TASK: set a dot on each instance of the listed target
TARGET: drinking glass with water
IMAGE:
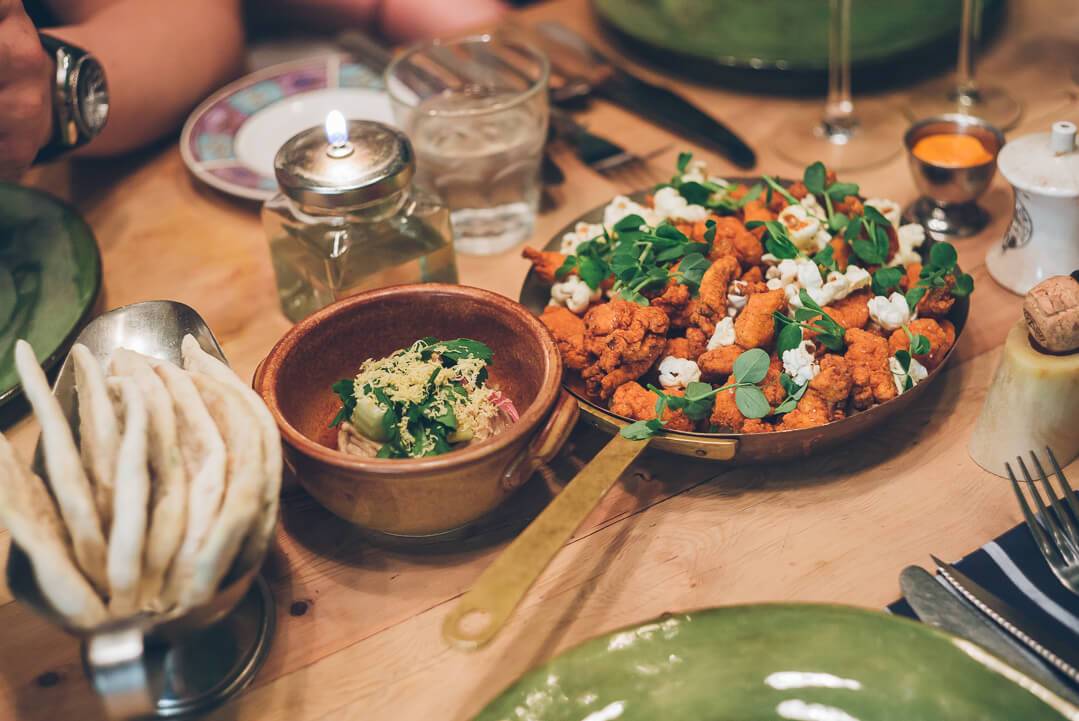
(476, 112)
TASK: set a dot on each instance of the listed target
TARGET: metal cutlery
(1060, 546)
(598, 153)
(940, 608)
(658, 104)
(1029, 631)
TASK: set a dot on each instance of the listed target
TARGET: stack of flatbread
(173, 480)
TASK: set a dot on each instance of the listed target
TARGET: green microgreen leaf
(691, 270)
(875, 216)
(904, 360)
(837, 222)
(814, 178)
(942, 256)
(776, 239)
(839, 191)
(629, 223)
(964, 285)
(789, 338)
(695, 193)
(566, 268)
(346, 391)
(826, 260)
(914, 295)
(641, 430)
(779, 189)
(683, 161)
(751, 366)
(751, 401)
(886, 279)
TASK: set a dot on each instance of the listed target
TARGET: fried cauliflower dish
(732, 308)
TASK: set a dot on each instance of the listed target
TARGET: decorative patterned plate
(230, 140)
(800, 662)
(50, 276)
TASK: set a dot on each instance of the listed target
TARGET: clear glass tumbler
(476, 111)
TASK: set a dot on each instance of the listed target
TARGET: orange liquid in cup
(952, 150)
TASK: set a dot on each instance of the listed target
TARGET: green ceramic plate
(50, 275)
(782, 45)
(784, 661)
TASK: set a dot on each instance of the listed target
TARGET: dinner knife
(656, 103)
(1020, 626)
(937, 606)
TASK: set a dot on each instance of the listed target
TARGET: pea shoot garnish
(941, 264)
(811, 317)
(750, 369)
(640, 258)
(777, 240)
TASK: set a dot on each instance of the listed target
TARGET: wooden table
(358, 625)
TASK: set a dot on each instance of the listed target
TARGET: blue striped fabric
(1012, 568)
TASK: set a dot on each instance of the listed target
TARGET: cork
(1051, 311)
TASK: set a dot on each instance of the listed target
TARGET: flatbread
(69, 483)
(203, 451)
(240, 506)
(196, 359)
(132, 495)
(29, 514)
(99, 436)
(168, 486)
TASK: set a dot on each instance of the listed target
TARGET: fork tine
(1047, 549)
(1063, 517)
(1065, 487)
(1049, 516)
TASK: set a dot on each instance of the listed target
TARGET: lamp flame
(336, 128)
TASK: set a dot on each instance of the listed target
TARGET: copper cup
(415, 498)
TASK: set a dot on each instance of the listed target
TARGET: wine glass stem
(839, 110)
(965, 86)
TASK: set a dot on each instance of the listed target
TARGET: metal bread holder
(176, 663)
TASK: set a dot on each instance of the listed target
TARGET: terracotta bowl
(423, 496)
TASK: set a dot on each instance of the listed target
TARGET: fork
(1060, 546)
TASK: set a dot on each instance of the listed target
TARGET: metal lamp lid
(1043, 163)
(344, 164)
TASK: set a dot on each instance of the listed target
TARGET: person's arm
(25, 91)
(397, 20)
(161, 57)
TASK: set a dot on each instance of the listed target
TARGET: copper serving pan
(742, 447)
(483, 610)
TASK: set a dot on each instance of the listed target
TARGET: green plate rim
(957, 641)
(10, 395)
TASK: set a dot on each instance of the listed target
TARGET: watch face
(92, 95)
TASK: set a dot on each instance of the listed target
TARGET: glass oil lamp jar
(347, 218)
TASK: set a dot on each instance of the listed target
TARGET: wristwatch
(80, 98)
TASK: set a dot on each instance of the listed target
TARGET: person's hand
(25, 89)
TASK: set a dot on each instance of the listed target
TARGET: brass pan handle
(484, 609)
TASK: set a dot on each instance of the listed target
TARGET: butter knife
(940, 608)
(656, 103)
(1028, 631)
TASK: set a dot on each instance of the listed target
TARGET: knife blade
(940, 608)
(1020, 626)
(656, 103)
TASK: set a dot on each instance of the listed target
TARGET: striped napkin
(1012, 568)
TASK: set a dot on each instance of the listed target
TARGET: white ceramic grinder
(1043, 239)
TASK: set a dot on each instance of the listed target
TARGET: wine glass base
(873, 139)
(945, 222)
(990, 103)
(206, 668)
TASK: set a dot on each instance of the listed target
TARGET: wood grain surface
(358, 631)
